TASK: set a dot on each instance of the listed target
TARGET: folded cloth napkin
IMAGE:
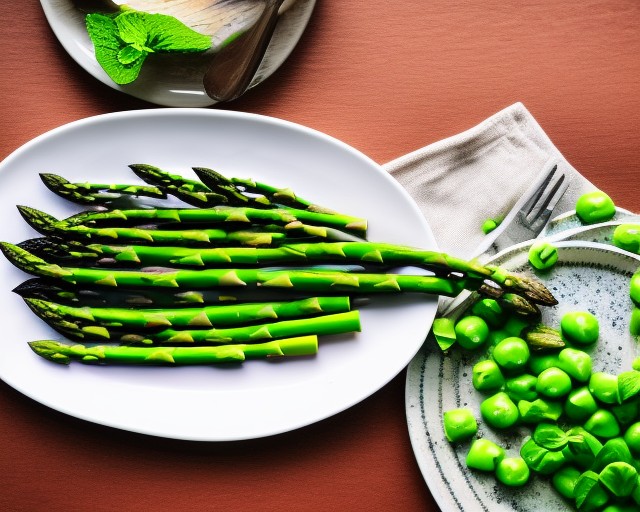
(479, 174)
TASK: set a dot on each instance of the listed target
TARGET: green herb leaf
(129, 54)
(167, 34)
(122, 43)
(550, 437)
(132, 28)
(628, 384)
(103, 31)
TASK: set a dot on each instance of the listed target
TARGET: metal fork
(524, 222)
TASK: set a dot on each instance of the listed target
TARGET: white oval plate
(172, 80)
(258, 398)
(588, 276)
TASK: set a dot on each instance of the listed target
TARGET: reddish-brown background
(387, 78)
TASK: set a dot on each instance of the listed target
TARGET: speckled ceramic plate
(569, 220)
(175, 80)
(589, 276)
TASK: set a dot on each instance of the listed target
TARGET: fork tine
(531, 203)
(551, 200)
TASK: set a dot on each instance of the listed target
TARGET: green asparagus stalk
(219, 183)
(173, 356)
(49, 225)
(283, 196)
(343, 252)
(317, 282)
(202, 317)
(213, 217)
(95, 193)
(191, 192)
(338, 323)
(64, 293)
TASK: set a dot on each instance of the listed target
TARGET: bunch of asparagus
(247, 270)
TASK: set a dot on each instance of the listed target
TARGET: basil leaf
(167, 34)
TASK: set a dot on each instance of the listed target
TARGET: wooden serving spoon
(233, 67)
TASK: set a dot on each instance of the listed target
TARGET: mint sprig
(122, 43)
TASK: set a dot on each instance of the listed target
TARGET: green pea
(632, 437)
(564, 480)
(541, 460)
(489, 225)
(444, 332)
(543, 255)
(580, 327)
(580, 404)
(595, 207)
(616, 507)
(484, 455)
(583, 447)
(539, 410)
(513, 471)
(499, 411)
(497, 336)
(459, 424)
(602, 423)
(539, 363)
(620, 478)
(588, 492)
(634, 288)
(604, 387)
(576, 363)
(511, 353)
(515, 325)
(627, 237)
(490, 311)
(487, 376)
(521, 387)
(554, 383)
(471, 332)
(634, 321)
(626, 413)
(614, 450)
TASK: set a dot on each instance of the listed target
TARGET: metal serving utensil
(524, 222)
(233, 67)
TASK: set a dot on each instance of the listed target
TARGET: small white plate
(258, 398)
(588, 276)
(173, 80)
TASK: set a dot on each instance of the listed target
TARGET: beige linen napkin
(479, 174)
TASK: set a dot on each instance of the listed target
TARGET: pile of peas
(585, 425)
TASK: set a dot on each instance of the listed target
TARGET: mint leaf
(108, 45)
(132, 28)
(129, 54)
(168, 34)
(122, 43)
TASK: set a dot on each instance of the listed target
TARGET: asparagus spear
(70, 295)
(213, 217)
(299, 280)
(284, 196)
(338, 323)
(49, 225)
(344, 252)
(95, 193)
(211, 316)
(191, 192)
(173, 356)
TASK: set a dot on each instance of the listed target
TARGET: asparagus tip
(38, 220)
(50, 350)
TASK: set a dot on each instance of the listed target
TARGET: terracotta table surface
(387, 78)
